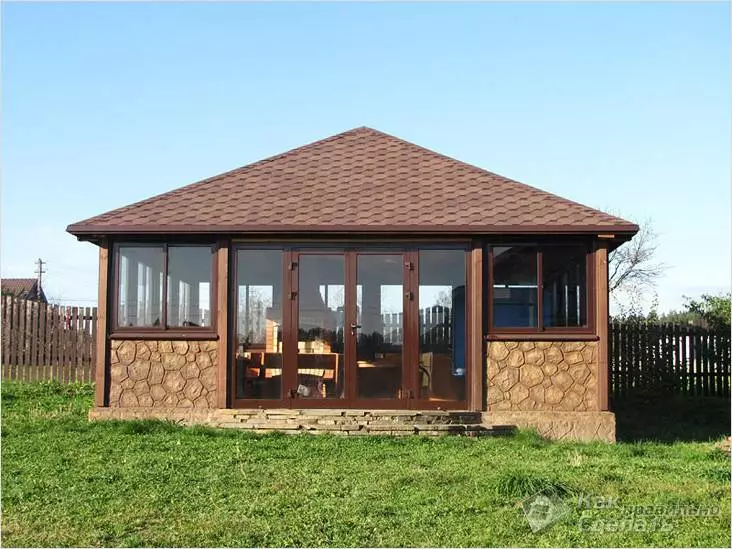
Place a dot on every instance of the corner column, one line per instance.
(475, 344)
(100, 364)
(601, 323)
(222, 322)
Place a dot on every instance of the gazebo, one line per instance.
(358, 284)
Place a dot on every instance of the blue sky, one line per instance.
(624, 107)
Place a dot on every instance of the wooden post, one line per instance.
(222, 321)
(601, 322)
(475, 345)
(101, 352)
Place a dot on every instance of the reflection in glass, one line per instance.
(564, 279)
(442, 321)
(140, 286)
(322, 299)
(189, 286)
(259, 324)
(515, 287)
(379, 310)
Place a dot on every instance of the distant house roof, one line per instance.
(25, 288)
(361, 181)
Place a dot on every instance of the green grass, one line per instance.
(68, 482)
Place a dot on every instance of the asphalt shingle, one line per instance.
(361, 180)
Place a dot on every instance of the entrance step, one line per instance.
(362, 422)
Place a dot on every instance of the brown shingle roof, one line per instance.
(361, 180)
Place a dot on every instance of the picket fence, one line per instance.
(42, 341)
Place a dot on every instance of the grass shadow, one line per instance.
(671, 418)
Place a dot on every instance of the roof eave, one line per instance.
(91, 232)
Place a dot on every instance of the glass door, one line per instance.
(320, 314)
(442, 329)
(340, 328)
(378, 327)
(348, 329)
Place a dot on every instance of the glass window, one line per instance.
(258, 352)
(147, 297)
(189, 286)
(442, 322)
(515, 287)
(564, 281)
(140, 286)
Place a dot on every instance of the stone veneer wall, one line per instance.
(542, 376)
(180, 374)
(555, 425)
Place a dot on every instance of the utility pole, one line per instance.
(39, 272)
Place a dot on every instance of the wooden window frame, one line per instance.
(586, 332)
(164, 331)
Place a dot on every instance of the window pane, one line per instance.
(321, 314)
(259, 324)
(564, 278)
(189, 285)
(442, 336)
(379, 325)
(140, 286)
(515, 287)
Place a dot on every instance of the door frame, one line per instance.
(350, 249)
(350, 371)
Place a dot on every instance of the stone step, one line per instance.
(348, 417)
(376, 428)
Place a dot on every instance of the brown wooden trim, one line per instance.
(259, 403)
(364, 243)
(222, 321)
(291, 303)
(602, 319)
(80, 229)
(100, 375)
(164, 291)
(474, 357)
(540, 289)
(350, 340)
(547, 331)
(410, 374)
(233, 348)
(544, 336)
(165, 335)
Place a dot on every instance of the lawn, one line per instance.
(68, 482)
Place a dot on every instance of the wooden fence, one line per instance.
(435, 328)
(41, 341)
(668, 358)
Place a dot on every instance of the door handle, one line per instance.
(354, 327)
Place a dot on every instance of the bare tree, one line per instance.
(632, 267)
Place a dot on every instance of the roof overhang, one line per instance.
(615, 235)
